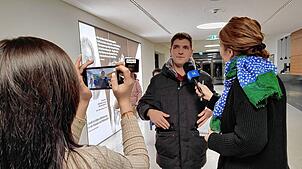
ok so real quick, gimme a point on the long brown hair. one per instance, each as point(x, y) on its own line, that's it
point(244, 36)
point(39, 95)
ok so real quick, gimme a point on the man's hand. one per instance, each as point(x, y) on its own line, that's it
point(204, 116)
point(158, 118)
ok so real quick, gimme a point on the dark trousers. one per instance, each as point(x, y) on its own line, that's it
point(151, 124)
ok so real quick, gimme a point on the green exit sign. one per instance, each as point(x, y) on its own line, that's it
point(212, 37)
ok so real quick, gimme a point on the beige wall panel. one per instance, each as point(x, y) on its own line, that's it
point(296, 52)
point(296, 46)
point(296, 64)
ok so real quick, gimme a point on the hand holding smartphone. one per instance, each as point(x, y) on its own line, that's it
point(97, 78)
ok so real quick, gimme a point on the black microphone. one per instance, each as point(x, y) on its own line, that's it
point(192, 75)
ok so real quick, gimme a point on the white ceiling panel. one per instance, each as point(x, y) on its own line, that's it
point(276, 16)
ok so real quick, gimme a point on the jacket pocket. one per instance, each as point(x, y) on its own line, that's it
point(166, 144)
point(198, 148)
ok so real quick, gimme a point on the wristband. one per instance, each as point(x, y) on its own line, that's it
point(127, 113)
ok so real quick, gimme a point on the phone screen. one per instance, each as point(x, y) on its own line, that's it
point(97, 78)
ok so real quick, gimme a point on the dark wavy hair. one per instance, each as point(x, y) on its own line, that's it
point(244, 36)
point(181, 36)
point(39, 95)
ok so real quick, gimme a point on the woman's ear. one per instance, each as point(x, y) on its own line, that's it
point(229, 53)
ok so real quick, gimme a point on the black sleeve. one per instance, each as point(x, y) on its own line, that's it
point(148, 101)
point(250, 131)
point(212, 101)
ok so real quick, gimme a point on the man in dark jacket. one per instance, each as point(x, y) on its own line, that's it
point(171, 104)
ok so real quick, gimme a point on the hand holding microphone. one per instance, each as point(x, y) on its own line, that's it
point(193, 75)
point(206, 92)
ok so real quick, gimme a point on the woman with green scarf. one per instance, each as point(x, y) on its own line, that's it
point(248, 127)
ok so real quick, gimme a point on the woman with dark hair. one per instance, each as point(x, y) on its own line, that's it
point(248, 127)
point(43, 103)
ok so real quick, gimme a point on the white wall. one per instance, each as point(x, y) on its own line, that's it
point(57, 21)
point(163, 49)
point(272, 46)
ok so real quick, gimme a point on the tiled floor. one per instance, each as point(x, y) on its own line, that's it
point(294, 123)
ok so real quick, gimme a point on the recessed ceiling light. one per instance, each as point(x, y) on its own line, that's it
point(213, 25)
point(212, 50)
point(210, 46)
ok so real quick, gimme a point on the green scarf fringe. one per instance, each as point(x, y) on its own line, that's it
point(265, 86)
point(215, 124)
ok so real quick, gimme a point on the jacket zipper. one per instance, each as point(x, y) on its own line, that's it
point(179, 113)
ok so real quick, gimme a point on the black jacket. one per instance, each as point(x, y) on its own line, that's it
point(251, 138)
point(180, 146)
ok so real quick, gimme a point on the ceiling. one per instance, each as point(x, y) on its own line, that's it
point(172, 16)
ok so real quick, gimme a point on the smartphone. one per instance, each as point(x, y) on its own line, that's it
point(97, 78)
point(132, 64)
